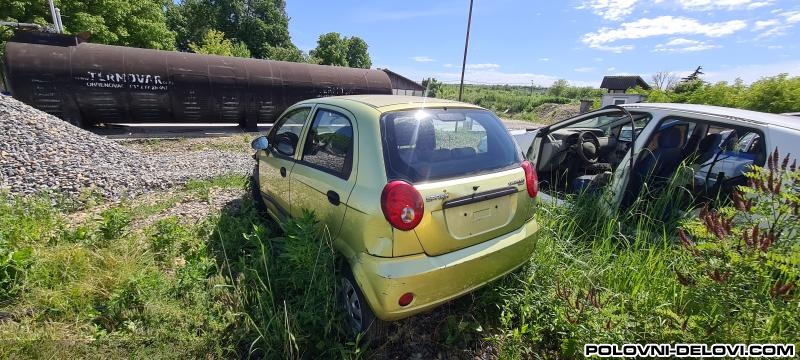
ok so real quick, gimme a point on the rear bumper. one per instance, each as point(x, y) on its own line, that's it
point(437, 279)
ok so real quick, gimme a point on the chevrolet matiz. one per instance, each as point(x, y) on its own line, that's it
point(425, 199)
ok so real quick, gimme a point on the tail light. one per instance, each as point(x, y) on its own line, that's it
point(531, 179)
point(402, 205)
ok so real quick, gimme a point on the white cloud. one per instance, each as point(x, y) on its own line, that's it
point(448, 65)
point(778, 26)
point(614, 49)
point(611, 69)
point(681, 45)
point(603, 38)
point(584, 69)
point(761, 25)
point(482, 66)
point(792, 17)
point(422, 59)
point(705, 5)
point(544, 59)
point(610, 9)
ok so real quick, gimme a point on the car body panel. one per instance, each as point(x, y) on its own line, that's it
point(444, 229)
point(310, 186)
point(275, 183)
point(437, 279)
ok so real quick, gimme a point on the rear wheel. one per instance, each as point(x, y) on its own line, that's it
point(255, 190)
point(358, 315)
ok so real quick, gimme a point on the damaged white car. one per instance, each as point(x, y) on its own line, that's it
point(620, 148)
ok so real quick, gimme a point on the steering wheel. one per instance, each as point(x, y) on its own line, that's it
point(588, 147)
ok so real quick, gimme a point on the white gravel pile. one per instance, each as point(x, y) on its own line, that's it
point(41, 153)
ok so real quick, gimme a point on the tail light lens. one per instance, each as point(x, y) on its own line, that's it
point(531, 179)
point(402, 205)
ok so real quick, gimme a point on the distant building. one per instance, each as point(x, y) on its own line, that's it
point(402, 85)
point(618, 85)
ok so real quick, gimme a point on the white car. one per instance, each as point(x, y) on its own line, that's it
point(595, 150)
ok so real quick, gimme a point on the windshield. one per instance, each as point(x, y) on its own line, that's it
point(436, 144)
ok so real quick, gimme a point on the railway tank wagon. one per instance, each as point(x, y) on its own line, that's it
point(88, 84)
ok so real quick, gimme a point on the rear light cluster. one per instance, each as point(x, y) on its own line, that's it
point(531, 179)
point(402, 205)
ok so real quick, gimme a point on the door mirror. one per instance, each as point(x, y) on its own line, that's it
point(260, 143)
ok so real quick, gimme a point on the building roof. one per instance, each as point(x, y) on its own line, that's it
point(623, 83)
point(402, 82)
point(786, 121)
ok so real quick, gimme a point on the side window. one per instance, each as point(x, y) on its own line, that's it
point(286, 135)
point(329, 145)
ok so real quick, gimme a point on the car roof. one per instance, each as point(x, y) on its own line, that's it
point(786, 121)
point(385, 103)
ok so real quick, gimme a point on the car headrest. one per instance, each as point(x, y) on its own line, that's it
point(421, 134)
point(670, 138)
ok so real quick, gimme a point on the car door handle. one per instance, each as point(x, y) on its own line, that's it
point(283, 171)
point(333, 197)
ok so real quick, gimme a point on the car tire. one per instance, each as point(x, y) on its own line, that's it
point(358, 316)
point(255, 191)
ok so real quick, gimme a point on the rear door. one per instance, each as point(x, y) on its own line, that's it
point(325, 174)
point(468, 170)
point(277, 163)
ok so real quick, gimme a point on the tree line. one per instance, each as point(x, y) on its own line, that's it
point(244, 28)
point(773, 94)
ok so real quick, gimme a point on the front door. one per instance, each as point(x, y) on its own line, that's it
point(277, 163)
point(326, 173)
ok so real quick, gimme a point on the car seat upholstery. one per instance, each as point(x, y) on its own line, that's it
point(708, 147)
point(659, 165)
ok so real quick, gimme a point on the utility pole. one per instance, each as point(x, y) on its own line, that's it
point(466, 46)
point(531, 87)
point(53, 14)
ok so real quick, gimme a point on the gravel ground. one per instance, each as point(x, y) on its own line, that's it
point(41, 153)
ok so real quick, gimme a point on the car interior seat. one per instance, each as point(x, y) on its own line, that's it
point(658, 166)
point(708, 147)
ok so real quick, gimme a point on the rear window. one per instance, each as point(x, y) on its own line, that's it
point(436, 144)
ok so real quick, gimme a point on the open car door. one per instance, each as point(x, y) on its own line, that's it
point(581, 152)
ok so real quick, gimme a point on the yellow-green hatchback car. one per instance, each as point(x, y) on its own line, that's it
point(425, 199)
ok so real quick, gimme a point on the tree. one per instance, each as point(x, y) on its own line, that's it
point(695, 75)
point(559, 87)
point(664, 80)
point(136, 23)
point(357, 55)
point(289, 53)
point(262, 25)
point(331, 49)
point(432, 87)
point(215, 43)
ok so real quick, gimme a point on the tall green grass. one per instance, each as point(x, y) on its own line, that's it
point(601, 276)
point(237, 286)
point(232, 286)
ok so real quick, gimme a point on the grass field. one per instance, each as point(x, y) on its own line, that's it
point(518, 102)
point(142, 279)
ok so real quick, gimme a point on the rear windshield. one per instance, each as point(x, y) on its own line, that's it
point(436, 144)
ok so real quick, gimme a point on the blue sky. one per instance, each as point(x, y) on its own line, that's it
point(518, 41)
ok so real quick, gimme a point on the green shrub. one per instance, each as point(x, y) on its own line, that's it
point(745, 259)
